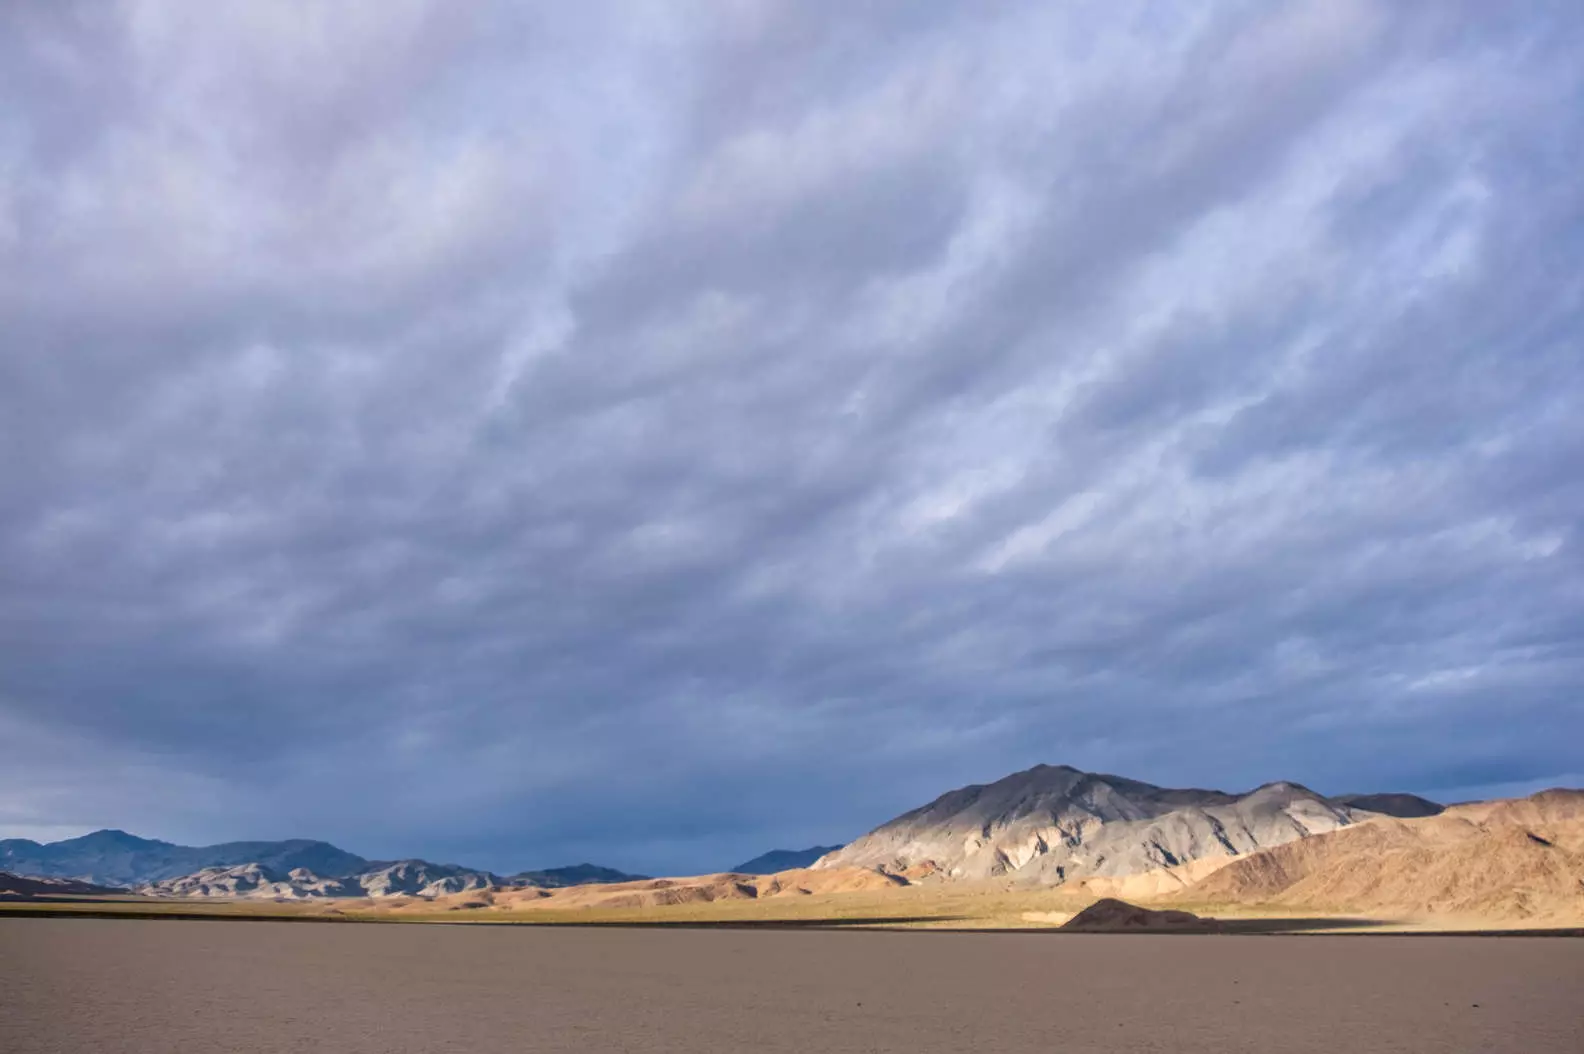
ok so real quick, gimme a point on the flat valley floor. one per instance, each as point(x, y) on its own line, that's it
point(136, 986)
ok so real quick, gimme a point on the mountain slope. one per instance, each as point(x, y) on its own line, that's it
point(401, 878)
point(1053, 824)
point(251, 881)
point(1514, 859)
point(120, 859)
point(115, 858)
point(13, 885)
point(783, 860)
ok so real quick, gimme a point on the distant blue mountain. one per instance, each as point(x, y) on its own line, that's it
point(116, 858)
point(783, 860)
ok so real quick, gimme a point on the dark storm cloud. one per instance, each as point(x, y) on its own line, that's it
point(530, 435)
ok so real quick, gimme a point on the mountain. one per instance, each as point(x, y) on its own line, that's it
point(116, 858)
point(400, 878)
point(1402, 806)
point(1518, 859)
point(573, 875)
point(783, 860)
point(252, 880)
point(13, 885)
point(648, 893)
point(420, 878)
point(259, 881)
point(1053, 824)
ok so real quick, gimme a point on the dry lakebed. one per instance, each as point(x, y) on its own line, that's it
point(69, 986)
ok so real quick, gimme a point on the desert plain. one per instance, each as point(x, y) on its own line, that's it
point(145, 986)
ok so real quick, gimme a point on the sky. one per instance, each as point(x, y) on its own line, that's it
point(656, 433)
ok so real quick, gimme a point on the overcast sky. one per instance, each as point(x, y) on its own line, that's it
point(654, 433)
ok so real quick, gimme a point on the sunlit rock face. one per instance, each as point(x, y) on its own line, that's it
point(1052, 824)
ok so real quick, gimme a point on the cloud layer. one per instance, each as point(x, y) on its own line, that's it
point(655, 433)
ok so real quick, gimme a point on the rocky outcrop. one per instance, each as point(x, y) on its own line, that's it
point(1111, 916)
point(1051, 825)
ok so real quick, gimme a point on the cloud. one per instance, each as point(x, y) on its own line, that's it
point(536, 433)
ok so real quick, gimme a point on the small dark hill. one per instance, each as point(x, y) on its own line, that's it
point(1111, 916)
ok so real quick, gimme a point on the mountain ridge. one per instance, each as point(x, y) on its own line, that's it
point(112, 857)
point(1047, 825)
point(1515, 858)
point(1052, 824)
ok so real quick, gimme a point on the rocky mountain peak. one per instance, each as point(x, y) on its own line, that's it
point(1053, 823)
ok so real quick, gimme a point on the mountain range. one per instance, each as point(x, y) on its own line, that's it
point(115, 858)
point(403, 878)
point(1520, 858)
point(1047, 826)
point(1280, 847)
point(292, 868)
point(1054, 824)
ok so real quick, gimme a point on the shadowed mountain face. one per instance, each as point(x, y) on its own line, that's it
point(293, 868)
point(27, 886)
point(783, 860)
point(120, 859)
point(1053, 824)
point(1402, 806)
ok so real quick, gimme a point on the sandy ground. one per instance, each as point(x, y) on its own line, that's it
point(86, 985)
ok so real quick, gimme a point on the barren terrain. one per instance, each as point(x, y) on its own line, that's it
point(143, 987)
point(1501, 865)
